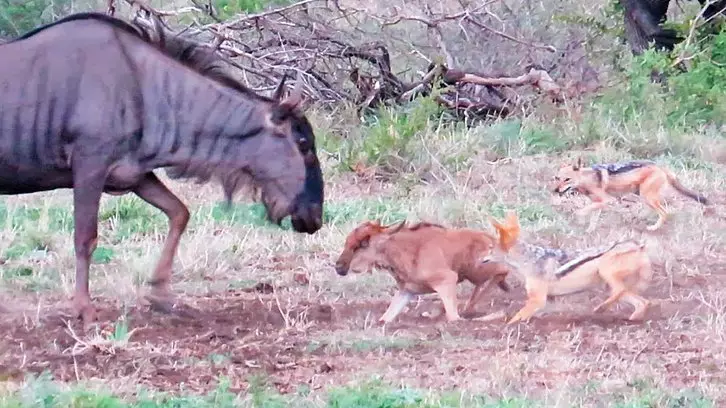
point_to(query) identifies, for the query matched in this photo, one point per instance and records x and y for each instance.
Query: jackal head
(508, 235)
(567, 177)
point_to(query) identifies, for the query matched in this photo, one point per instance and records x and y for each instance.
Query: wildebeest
(90, 102)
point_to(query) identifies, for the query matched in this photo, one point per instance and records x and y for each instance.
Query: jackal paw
(637, 316)
(600, 308)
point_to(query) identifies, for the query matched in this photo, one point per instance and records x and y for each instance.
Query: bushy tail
(683, 190)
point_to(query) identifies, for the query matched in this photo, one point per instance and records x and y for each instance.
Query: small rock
(324, 368)
(301, 278)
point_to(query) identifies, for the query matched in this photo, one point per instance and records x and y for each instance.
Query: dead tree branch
(333, 46)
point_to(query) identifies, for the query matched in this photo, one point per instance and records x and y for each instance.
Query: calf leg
(88, 182)
(447, 293)
(154, 192)
(399, 301)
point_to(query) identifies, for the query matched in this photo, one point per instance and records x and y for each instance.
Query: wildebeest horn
(277, 94)
(295, 96)
(285, 108)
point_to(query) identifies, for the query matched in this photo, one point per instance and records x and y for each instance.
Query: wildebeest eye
(304, 144)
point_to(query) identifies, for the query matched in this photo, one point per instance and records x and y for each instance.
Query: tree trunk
(643, 19)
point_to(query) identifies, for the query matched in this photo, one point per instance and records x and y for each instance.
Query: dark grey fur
(542, 255)
(91, 103)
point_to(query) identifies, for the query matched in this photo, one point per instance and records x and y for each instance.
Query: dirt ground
(169, 352)
(314, 330)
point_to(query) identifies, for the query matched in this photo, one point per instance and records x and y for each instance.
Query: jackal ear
(512, 219)
(580, 163)
(495, 222)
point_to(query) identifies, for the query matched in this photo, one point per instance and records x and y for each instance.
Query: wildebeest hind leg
(154, 192)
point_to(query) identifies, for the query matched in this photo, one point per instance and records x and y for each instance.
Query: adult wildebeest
(90, 102)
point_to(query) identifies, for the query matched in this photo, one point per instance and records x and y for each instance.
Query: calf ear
(392, 229)
(579, 164)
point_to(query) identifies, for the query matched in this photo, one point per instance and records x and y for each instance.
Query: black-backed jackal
(601, 182)
(624, 266)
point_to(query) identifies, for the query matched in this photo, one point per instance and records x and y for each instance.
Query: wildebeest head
(567, 177)
(305, 207)
(281, 160)
(360, 252)
(284, 165)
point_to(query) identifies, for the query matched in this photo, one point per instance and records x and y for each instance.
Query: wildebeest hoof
(85, 311)
(170, 305)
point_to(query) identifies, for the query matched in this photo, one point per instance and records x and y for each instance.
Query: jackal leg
(657, 205)
(88, 180)
(639, 303)
(154, 192)
(650, 190)
(617, 290)
(600, 200)
(399, 301)
(536, 300)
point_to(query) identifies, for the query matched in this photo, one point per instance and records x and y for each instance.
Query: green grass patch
(374, 393)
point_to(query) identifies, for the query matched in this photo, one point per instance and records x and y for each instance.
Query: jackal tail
(683, 190)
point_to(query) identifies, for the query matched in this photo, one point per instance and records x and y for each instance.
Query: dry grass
(319, 332)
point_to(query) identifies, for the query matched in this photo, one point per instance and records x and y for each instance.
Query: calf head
(361, 251)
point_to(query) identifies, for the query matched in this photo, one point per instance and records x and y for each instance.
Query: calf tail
(683, 190)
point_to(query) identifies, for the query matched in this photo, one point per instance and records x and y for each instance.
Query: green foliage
(690, 99)
(20, 16)
(389, 137)
(229, 8)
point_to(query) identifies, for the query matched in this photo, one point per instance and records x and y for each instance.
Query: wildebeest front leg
(154, 192)
(87, 190)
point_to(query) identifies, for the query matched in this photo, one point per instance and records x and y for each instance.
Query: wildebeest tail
(683, 190)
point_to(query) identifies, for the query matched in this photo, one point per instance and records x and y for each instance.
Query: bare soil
(168, 352)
